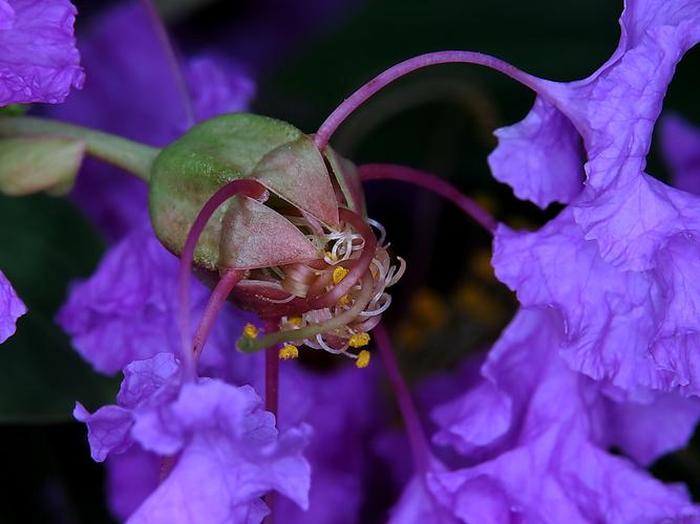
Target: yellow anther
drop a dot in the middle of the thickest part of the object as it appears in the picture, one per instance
(250, 331)
(363, 358)
(359, 340)
(344, 300)
(289, 351)
(339, 273)
(294, 321)
(331, 256)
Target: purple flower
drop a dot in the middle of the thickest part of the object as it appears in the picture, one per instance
(547, 459)
(38, 58)
(149, 107)
(127, 311)
(618, 263)
(342, 409)
(339, 406)
(11, 308)
(131, 477)
(680, 145)
(224, 449)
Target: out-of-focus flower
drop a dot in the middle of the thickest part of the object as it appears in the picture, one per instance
(214, 434)
(38, 63)
(340, 406)
(11, 308)
(38, 58)
(548, 438)
(127, 310)
(680, 145)
(150, 107)
(626, 291)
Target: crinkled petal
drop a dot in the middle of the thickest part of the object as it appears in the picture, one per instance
(554, 467)
(231, 455)
(559, 479)
(108, 429)
(38, 58)
(11, 308)
(636, 330)
(541, 157)
(473, 420)
(144, 378)
(608, 316)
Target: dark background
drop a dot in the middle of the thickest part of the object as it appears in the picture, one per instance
(440, 120)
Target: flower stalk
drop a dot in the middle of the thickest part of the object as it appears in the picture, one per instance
(133, 157)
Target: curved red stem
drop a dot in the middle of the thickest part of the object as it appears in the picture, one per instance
(416, 435)
(218, 298)
(432, 183)
(395, 72)
(244, 186)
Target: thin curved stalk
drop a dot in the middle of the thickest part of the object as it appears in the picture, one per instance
(369, 172)
(379, 82)
(134, 157)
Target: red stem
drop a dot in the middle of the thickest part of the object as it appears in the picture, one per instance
(244, 186)
(272, 380)
(432, 183)
(416, 436)
(272, 373)
(360, 96)
(218, 298)
(272, 369)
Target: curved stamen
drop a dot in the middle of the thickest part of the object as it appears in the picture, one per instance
(416, 436)
(244, 186)
(358, 269)
(395, 72)
(310, 331)
(432, 183)
(223, 288)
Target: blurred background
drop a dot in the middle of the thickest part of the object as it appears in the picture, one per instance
(305, 57)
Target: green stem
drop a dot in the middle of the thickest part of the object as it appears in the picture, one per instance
(248, 345)
(131, 156)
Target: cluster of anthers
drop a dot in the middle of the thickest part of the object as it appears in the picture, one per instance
(342, 327)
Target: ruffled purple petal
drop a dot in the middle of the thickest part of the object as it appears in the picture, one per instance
(38, 58)
(11, 308)
(229, 446)
(108, 429)
(541, 157)
(225, 449)
(636, 330)
(553, 466)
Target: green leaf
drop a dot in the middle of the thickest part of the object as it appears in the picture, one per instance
(46, 244)
(35, 165)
